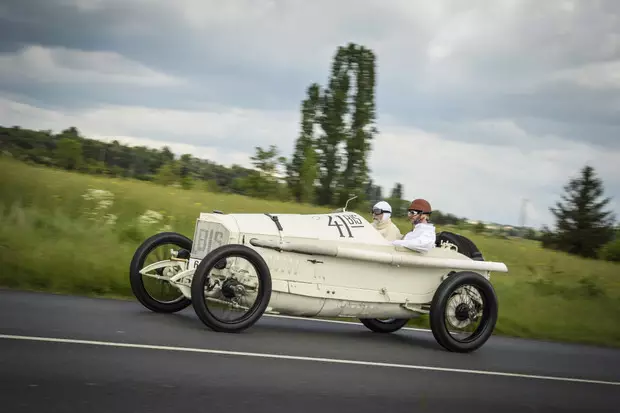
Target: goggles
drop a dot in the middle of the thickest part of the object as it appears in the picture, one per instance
(379, 211)
(414, 212)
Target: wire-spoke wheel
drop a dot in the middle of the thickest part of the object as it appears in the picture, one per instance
(463, 312)
(232, 280)
(153, 289)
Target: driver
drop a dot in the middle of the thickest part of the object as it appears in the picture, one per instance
(382, 221)
(422, 237)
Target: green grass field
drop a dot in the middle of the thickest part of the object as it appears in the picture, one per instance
(47, 243)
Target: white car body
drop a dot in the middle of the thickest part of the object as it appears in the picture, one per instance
(355, 272)
(328, 265)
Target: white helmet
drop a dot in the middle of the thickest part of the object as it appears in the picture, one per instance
(384, 208)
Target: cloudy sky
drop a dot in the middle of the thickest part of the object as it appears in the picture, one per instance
(481, 104)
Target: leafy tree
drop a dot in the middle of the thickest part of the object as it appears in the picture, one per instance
(185, 165)
(346, 123)
(582, 224)
(264, 182)
(267, 161)
(361, 62)
(308, 175)
(611, 251)
(169, 173)
(374, 193)
(397, 191)
(334, 108)
(479, 228)
(69, 153)
(302, 171)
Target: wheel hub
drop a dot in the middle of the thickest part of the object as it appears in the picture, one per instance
(228, 288)
(462, 312)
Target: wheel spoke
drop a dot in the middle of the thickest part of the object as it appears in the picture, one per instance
(463, 311)
(150, 273)
(160, 289)
(227, 302)
(231, 299)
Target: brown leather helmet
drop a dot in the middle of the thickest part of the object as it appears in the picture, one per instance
(420, 205)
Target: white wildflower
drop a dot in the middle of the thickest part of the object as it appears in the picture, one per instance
(103, 200)
(98, 195)
(110, 219)
(150, 217)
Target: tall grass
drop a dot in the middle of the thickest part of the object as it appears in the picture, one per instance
(54, 238)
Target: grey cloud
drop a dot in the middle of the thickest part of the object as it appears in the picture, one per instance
(568, 111)
(504, 68)
(226, 91)
(161, 40)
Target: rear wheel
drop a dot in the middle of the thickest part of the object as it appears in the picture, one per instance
(384, 325)
(461, 301)
(231, 287)
(463, 244)
(157, 294)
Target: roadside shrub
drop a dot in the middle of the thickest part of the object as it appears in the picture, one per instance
(611, 251)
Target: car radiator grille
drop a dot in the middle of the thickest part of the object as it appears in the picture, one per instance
(207, 237)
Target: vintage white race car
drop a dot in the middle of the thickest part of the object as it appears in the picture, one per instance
(319, 265)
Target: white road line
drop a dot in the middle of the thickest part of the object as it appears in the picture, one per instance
(322, 320)
(303, 358)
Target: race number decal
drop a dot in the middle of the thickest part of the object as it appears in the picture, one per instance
(344, 224)
(207, 237)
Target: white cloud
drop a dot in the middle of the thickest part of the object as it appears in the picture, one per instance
(60, 65)
(211, 126)
(486, 182)
(212, 153)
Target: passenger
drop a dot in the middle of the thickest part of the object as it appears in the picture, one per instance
(422, 237)
(382, 221)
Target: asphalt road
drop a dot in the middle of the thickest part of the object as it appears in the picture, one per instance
(117, 356)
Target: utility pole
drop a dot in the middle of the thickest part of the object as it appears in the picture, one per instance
(523, 215)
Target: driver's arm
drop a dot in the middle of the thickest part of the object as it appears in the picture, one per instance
(422, 241)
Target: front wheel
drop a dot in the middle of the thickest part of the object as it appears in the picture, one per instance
(460, 301)
(232, 286)
(156, 249)
(388, 325)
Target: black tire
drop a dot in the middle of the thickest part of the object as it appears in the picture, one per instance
(464, 245)
(379, 326)
(200, 278)
(488, 318)
(137, 263)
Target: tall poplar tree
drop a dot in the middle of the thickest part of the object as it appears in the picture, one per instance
(302, 171)
(361, 62)
(341, 148)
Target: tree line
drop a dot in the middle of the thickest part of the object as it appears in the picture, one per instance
(71, 151)
(328, 165)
